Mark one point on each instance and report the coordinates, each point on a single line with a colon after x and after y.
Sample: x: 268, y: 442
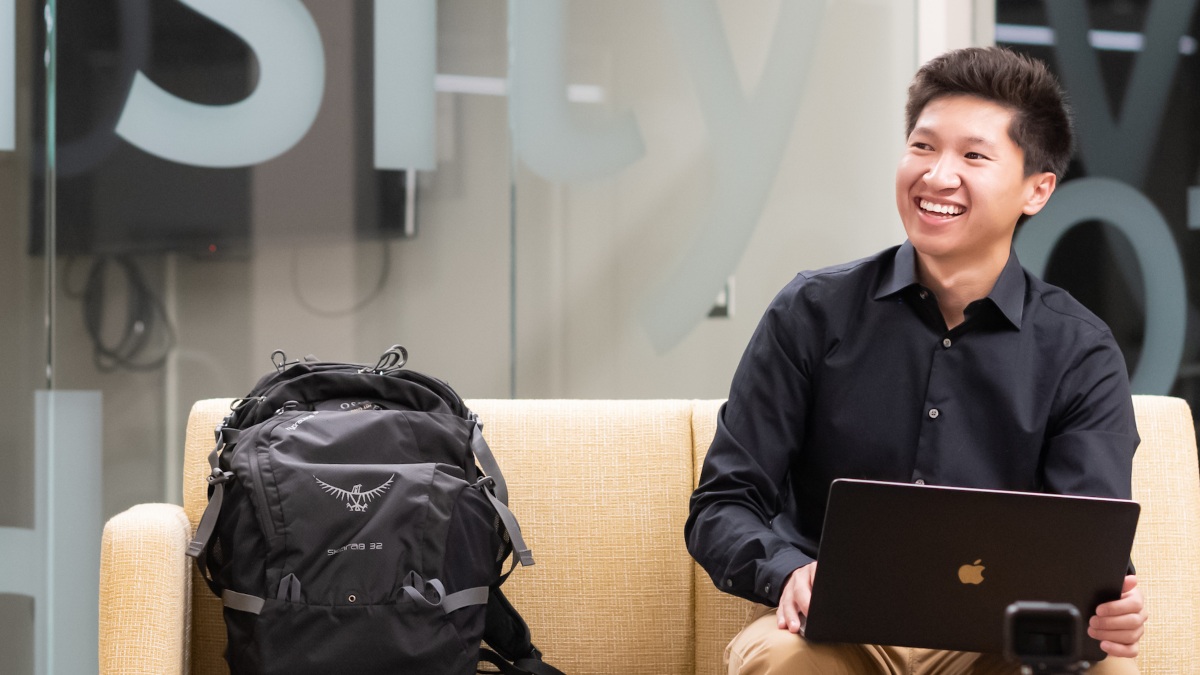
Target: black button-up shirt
x: 852, y: 373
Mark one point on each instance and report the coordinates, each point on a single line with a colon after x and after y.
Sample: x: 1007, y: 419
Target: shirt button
x: 946, y: 343
x: 933, y: 413
x: 919, y: 481
x: 729, y: 583
x: 924, y: 294
x: 767, y: 589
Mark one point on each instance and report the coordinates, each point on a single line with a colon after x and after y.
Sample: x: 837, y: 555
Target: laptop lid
x: 936, y: 567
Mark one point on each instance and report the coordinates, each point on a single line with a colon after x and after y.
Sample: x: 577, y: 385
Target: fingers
x: 1119, y: 642
x: 1129, y: 584
x: 1119, y: 650
x: 1120, y: 624
x: 795, y: 598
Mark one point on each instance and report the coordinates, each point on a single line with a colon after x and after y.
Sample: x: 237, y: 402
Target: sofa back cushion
x: 1166, y: 550
x: 600, y: 488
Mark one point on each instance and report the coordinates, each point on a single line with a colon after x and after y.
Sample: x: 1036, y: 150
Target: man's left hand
x: 1119, y: 624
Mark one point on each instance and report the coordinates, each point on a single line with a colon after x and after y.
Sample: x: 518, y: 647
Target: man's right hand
x: 793, y: 602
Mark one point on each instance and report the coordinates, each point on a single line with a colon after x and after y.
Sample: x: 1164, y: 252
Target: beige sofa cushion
x: 144, y: 589
x: 600, y: 488
x: 1166, y: 549
x: 207, y: 641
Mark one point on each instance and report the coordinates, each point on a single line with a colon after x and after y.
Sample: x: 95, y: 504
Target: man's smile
x: 939, y: 209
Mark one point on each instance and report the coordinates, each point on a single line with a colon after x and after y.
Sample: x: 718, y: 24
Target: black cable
x: 380, y: 284
x: 145, y: 317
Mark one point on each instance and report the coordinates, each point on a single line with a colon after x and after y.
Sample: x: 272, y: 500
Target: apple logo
x: 971, y: 574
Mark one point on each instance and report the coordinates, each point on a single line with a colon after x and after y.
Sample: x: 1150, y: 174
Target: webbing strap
x: 520, y: 550
x: 470, y: 596
x: 483, y: 454
x: 289, y: 589
x: 415, y: 587
x: 208, y: 522
x: 524, y: 666
x: 198, y: 546
x: 242, y: 602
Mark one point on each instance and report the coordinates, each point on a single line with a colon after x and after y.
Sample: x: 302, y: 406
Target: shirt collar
x: 1008, y: 294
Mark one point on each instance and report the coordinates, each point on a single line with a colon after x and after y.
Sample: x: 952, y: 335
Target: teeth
x: 947, y: 209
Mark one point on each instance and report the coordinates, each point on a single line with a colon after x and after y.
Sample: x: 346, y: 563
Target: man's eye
x: 921, y: 146
x: 974, y: 155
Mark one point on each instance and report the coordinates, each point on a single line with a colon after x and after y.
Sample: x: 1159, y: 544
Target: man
x: 940, y: 361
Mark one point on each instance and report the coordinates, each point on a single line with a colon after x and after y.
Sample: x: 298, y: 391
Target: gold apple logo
x: 971, y: 574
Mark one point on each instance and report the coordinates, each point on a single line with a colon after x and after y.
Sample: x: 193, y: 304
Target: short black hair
x: 1042, y: 124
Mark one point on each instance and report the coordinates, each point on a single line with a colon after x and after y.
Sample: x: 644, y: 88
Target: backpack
x: 357, y: 522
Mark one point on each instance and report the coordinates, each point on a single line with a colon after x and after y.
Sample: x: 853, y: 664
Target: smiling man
x: 940, y: 361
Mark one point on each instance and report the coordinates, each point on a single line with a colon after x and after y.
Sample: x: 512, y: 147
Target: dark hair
x: 1041, y: 125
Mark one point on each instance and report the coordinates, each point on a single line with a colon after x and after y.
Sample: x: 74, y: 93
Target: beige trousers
x: 762, y: 648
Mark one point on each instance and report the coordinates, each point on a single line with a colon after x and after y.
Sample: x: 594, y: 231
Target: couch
x: 601, y: 489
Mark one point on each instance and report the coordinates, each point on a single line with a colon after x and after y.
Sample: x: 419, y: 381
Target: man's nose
x: 942, y: 174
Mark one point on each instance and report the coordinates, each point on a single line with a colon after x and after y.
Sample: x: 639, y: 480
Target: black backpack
x: 358, y: 523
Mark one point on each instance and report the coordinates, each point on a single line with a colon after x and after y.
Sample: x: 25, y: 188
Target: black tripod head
x: 1046, y: 638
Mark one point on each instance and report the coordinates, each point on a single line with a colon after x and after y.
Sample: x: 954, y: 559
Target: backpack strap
x: 507, y: 634
x: 494, y: 487
x: 521, y: 552
x: 527, y: 666
x: 487, y: 461
x: 198, y: 547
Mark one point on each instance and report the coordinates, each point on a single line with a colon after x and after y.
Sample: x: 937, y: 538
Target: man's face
x: 961, y: 184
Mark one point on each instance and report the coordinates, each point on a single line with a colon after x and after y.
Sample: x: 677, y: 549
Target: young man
x: 940, y: 361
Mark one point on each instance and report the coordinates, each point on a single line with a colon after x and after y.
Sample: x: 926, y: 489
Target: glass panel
x: 1119, y: 233
x: 538, y: 199
x: 23, y: 336
x: 682, y: 151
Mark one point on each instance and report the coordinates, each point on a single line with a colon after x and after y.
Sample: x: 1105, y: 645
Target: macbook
x: 936, y: 567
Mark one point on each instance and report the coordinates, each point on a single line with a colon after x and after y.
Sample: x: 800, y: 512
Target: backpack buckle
x: 218, y: 477
x: 486, y: 482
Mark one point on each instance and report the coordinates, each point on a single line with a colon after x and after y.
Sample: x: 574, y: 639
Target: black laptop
x: 936, y: 567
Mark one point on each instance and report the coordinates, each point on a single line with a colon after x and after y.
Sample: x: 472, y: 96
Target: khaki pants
x: 763, y: 649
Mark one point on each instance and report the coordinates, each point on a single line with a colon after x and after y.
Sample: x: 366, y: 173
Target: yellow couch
x: 601, y: 489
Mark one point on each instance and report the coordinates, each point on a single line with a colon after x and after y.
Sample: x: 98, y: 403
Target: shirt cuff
x: 773, y: 573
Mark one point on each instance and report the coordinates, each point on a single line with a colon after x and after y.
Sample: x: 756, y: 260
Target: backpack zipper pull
x: 287, y: 407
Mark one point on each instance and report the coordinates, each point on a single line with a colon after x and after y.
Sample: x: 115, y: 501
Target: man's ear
x: 1040, y: 186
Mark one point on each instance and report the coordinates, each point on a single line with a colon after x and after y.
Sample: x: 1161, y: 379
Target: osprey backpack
x: 358, y: 523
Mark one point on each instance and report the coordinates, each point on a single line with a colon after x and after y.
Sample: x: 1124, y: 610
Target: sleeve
x: 742, y: 483
x: 1092, y: 438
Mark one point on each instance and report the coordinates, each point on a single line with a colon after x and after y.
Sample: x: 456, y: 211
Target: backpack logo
x: 356, y: 500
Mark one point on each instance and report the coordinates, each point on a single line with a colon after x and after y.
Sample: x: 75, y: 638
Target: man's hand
x: 1119, y: 624
x: 793, y: 602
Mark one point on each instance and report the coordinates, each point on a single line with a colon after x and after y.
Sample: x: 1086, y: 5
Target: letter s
x: 268, y: 122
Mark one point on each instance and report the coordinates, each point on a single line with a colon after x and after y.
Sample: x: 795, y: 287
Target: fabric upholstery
x: 597, y: 486
x: 1166, y: 550
x: 601, y: 489
x: 144, y: 591
x: 208, y: 624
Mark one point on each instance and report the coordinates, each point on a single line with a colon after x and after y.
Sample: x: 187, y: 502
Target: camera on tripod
x: 1046, y: 638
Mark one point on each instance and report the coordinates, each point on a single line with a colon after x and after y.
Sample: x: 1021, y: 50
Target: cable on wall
x: 146, y: 335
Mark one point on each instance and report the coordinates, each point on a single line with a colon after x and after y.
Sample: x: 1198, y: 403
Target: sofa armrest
x: 145, y: 591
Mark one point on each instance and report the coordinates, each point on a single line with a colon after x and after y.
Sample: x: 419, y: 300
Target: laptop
x: 936, y: 567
